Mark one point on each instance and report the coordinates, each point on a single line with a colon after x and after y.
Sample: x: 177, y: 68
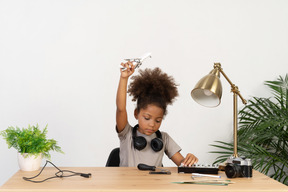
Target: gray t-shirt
x: 131, y: 157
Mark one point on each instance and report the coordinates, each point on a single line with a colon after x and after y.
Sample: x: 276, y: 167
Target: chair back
x: 114, y: 158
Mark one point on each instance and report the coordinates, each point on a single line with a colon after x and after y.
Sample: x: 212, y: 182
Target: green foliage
x: 30, y: 140
x: 263, y: 134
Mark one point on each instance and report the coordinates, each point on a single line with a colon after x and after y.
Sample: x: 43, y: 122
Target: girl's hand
x: 189, y: 160
x: 130, y: 68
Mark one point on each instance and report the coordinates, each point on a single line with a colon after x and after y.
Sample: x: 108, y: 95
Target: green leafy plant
x: 263, y: 134
x: 30, y: 140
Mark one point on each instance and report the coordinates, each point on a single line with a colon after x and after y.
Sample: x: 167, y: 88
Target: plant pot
x: 29, y: 162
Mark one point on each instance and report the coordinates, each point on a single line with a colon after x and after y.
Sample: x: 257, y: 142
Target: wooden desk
x: 132, y: 179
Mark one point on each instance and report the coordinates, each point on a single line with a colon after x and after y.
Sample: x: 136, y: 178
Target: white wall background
x: 59, y: 66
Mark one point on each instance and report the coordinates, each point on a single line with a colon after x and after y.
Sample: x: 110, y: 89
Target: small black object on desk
x: 152, y: 169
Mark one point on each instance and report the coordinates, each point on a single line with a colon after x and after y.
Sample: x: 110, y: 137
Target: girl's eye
x: 158, y: 121
x: 146, y: 118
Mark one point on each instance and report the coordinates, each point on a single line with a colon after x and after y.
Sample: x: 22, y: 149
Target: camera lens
x: 232, y: 170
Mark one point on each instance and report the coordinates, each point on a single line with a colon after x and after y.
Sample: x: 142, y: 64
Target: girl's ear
x: 136, y: 114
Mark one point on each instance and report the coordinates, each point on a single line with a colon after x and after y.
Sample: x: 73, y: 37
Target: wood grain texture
x: 132, y: 179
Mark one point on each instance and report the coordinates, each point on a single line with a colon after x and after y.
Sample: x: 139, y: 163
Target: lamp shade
x: 208, y: 90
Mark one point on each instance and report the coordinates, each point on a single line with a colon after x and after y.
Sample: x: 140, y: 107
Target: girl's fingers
x: 189, y: 160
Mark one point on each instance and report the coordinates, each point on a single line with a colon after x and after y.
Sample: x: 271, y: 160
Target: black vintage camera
x: 238, y: 167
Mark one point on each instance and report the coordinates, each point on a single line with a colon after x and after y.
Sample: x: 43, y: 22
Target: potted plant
x: 31, y: 144
x: 263, y: 132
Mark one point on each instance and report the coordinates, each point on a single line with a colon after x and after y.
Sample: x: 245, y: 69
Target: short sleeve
x: 171, y: 147
x: 123, y: 133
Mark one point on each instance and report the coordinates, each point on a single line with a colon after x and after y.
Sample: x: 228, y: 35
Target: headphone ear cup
x: 157, y: 144
x: 139, y: 143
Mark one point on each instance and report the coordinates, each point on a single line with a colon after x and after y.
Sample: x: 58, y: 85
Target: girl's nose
x: 151, y: 123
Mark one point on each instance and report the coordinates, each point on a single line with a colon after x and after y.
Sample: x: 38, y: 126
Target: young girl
x: 144, y: 143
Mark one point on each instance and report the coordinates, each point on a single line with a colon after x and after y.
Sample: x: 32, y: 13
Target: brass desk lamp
x: 208, y: 92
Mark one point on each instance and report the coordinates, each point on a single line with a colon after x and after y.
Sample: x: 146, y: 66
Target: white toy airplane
x: 137, y: 61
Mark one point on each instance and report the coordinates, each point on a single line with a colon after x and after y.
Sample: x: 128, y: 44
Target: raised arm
x: 121, y: 112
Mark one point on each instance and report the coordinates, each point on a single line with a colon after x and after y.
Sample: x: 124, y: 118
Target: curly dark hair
x: 153, y: 87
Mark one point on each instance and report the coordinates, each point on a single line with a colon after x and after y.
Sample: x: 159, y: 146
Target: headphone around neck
x: 140, y: 142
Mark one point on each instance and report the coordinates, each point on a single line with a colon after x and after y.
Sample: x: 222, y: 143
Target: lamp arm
x: 236, y: 93
x: 234, y: 88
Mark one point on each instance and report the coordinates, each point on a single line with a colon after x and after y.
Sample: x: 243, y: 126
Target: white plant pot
x: 29, y: 162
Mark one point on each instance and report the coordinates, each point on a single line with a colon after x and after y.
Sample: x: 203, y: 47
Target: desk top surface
x: 132, y: 179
